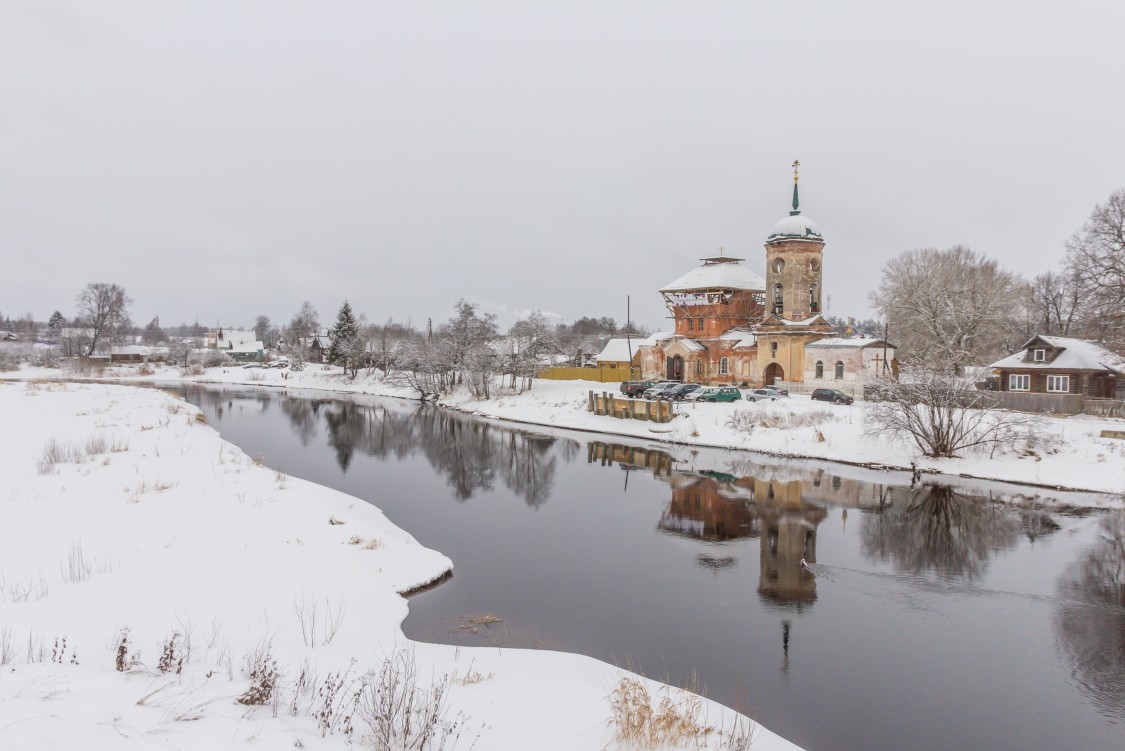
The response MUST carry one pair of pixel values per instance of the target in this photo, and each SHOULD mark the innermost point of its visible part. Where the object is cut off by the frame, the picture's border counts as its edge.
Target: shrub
(261, 668)
(8, 360)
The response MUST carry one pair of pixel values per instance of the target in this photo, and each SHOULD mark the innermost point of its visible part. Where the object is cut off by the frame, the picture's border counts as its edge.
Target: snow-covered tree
(531, 342)
(305, 322)
(262, 330)
(103, 309)
(1095, 255)
(55, 325)
(950, 306)
(153, 334)
(347, 347)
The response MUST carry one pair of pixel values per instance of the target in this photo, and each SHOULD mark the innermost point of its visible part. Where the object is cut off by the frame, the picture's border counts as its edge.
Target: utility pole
(629, 335)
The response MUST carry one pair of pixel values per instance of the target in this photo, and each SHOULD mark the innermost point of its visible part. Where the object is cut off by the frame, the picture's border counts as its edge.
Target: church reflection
(718, 507)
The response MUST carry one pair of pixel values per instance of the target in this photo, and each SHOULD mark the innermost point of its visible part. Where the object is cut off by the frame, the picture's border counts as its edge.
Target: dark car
(831, 395)
(636, 388)
(677, 393)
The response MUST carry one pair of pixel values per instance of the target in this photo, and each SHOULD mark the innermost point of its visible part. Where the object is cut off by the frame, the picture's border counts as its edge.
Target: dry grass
(681, 722)
(77, 567)
(367, 543)
(745, 421)
(472, 623)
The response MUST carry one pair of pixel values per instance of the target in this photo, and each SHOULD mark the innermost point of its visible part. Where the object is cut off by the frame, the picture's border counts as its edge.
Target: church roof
(853, 341)
(794, 227)
(717, 276)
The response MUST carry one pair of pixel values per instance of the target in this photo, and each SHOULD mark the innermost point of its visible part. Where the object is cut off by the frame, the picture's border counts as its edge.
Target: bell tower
(794, 264)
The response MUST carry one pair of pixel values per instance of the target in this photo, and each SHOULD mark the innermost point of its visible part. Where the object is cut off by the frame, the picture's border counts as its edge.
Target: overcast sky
(222, 159)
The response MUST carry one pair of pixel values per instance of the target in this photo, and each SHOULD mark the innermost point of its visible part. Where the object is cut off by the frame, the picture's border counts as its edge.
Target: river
(841, 608)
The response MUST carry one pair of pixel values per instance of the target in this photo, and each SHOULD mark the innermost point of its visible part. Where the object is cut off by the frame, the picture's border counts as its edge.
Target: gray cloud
(223, 159)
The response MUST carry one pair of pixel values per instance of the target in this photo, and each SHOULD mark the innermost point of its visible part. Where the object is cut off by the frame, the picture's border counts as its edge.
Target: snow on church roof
(717, 276)
(794, 227)
(854, 341)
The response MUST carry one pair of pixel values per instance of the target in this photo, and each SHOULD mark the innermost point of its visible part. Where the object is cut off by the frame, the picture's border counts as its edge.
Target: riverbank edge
(654, 436)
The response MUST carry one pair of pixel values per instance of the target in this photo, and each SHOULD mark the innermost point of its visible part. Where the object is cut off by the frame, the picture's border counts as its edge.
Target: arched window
(723, 365)
(699, 367)
(819, 369)
(778, 265)
(812, 297)
(839, 369)
(777, 299)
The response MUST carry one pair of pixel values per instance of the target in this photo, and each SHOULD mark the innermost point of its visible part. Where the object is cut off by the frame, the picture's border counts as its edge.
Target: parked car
(680, 392)
(721, 394)
(831, 395)
(253, 365)
(777, 389)
(636, 388)
(763, 395)
(657, 391)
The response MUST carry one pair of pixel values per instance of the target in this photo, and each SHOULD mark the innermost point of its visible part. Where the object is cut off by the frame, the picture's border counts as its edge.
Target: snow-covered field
(1067, 452)
(132, 536)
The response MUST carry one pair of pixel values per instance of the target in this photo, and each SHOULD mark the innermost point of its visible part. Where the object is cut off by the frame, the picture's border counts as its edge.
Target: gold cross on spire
(796, 164)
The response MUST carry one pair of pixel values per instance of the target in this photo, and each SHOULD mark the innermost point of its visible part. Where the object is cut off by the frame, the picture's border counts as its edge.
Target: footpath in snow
(159, 587)
(1064, 452)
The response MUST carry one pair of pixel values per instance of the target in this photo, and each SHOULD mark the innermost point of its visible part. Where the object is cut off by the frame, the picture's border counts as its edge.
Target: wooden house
(1060, 365)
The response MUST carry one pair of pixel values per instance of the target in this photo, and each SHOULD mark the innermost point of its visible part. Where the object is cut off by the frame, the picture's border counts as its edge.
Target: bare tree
(530, 343)
(388, 343)
(943, 414)
(1053, 304)
(950, 306)
(104, 310)
(305, 322)
(1095, 255)
(262, 329)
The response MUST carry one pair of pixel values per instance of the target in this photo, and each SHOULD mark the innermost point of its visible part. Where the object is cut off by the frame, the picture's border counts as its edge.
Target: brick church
(731, 326)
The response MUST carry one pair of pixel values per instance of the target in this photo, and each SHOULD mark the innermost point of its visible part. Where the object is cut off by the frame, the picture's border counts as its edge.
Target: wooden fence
(606, 403)
(1104, 407)
(601, 375)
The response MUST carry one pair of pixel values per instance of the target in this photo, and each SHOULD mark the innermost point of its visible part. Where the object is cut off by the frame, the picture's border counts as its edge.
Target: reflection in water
(942, 530)
(1090, 619)
(470, 453)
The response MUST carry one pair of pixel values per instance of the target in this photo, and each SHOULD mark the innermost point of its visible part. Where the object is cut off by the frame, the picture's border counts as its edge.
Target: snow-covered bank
(120, 509)
(1067, 452)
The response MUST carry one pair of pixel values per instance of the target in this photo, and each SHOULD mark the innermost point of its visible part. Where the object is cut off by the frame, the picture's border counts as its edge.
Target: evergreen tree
(55, 325)
(343, 334)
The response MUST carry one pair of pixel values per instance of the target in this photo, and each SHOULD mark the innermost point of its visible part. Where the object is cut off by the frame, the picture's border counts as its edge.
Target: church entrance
(676, 368)
(773, 374)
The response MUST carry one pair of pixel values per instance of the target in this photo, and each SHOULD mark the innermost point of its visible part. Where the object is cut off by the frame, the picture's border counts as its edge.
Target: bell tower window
(778, 304)
(812, 298)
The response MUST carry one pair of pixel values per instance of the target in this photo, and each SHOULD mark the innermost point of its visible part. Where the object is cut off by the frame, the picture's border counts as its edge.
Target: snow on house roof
(617, 350)
(717, 276)
(853, 341)
(1076, 354)
(691, 344)
(136, 349)
(247, 347)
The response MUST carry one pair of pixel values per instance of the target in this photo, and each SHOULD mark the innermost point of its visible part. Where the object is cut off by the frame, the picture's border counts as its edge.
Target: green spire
(796, 202)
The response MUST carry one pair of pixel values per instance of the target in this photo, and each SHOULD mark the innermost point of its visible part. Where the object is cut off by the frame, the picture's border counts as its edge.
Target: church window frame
(839, 370)
(724, 366)
(699, 367)
(819, 372)
(691, 324)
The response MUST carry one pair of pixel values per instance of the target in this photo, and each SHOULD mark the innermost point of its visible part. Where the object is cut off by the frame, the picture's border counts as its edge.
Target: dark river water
(932, 617)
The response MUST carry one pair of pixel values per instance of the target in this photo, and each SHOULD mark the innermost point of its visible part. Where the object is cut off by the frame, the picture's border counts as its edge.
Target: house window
(1018, 382)
(819, 369)
(839, 369)
(1040, 355)
(723, 365)
(699, 367)
(1058, 384)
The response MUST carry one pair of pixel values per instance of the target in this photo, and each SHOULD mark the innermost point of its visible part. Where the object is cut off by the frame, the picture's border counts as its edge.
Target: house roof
(659, 336)
(1075, 354)
(247, 347)
(617, 350)
(717, 276)
(690, 344)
